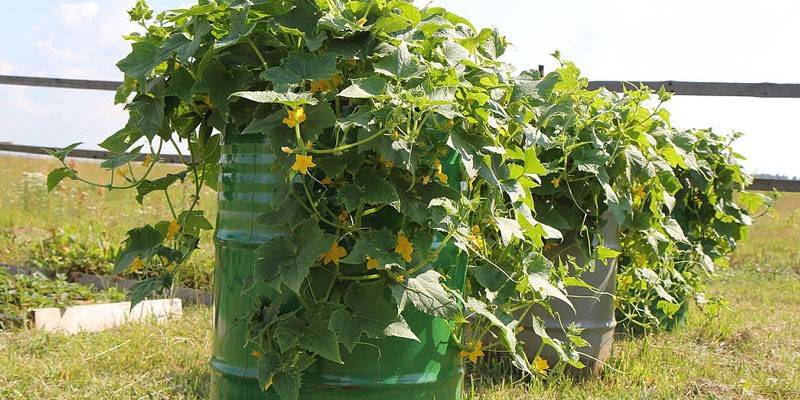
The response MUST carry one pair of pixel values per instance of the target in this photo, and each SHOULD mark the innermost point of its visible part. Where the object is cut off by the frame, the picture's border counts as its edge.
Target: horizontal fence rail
(781, 185)
(80, 153)
(59, 82)
(769, 90)
(765, 89)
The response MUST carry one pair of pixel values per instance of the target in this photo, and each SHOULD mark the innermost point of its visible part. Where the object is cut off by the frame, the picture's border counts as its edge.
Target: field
(749, 349)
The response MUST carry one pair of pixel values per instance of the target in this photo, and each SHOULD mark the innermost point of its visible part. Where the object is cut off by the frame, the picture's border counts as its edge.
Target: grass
(749, 349)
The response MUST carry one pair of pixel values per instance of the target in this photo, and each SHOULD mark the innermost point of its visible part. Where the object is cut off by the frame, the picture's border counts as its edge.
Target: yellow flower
(556, 182)
(400, 278)
(541, 365)
(472, 352)
(550, 245)
(625, 281)
(302, 164)
(121, 173)
(136, 265)
(386, 163)
(344, 217)
(372, 263)
(426, 180)
(639, 194)
(287, 150)
(334, 254)
(147, 160)
(322, 85)
(476, 238)
(256, 354)
(404, 247)
(336, 79)
(326, 181)
(295, 117)
(172, 229)
(441, 176)
(361, 21)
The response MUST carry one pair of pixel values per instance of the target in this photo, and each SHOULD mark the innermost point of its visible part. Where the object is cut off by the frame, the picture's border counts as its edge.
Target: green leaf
(121, 160)
(193, 222)
(220, 82)
(299, 66)
(753, 202)
(180, 85)
(149, 186)
(268, 365)
(317, 337)
(146, 288)
(605, 253)
(365, 88)
(371, 188)
(141, 242)
(319, 117)
(506, 332)
(332, 165)
(400, 64)
(532, 163)
(147, 115)
(57, 175)
(350, 196)
(143, 58)
(291, 258)
(304, 18)
(239, 32)
(63, 153)
(426, 292)
(287, 384)
(509, 229)
(376, 244)
(377, 317)
(288, 99)
(274, 7)
(675, 231)
(122, 139)
(277, 253)
(538, 279)
(540, 282)
(347, 328)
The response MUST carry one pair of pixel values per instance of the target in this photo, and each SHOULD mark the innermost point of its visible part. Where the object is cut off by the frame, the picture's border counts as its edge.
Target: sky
(691, 40)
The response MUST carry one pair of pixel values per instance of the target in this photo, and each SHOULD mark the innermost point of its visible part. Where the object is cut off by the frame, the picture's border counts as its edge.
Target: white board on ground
(98, 317)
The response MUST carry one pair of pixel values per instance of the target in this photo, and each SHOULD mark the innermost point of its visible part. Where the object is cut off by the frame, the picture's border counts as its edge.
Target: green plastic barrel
(389, 368)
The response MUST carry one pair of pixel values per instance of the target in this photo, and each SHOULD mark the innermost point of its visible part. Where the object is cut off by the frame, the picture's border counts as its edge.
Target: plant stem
(348, 146)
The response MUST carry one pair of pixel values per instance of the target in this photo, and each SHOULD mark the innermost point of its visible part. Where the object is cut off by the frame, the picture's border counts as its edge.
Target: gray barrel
(594, 309)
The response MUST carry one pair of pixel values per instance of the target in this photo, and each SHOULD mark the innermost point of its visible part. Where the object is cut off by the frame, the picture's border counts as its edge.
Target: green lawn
(749, 350)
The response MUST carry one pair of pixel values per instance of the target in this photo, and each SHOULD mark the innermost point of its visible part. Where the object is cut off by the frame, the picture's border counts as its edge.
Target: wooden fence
(764, 90)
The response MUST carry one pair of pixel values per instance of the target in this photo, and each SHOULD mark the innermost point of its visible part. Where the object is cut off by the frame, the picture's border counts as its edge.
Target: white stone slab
(98, 317)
